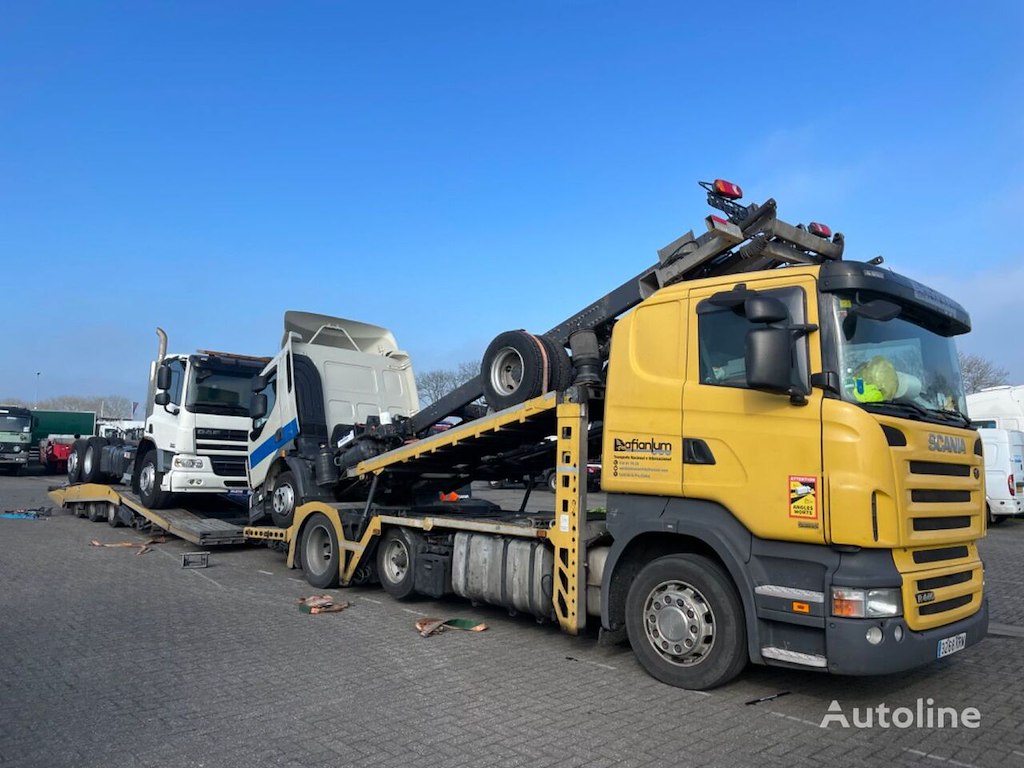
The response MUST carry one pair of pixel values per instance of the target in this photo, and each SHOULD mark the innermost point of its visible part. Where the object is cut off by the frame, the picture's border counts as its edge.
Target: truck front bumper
(200, 481)
(850, 653)
(13, 458)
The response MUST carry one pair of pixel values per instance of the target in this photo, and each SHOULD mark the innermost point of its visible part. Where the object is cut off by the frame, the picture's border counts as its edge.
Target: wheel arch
(645, 529)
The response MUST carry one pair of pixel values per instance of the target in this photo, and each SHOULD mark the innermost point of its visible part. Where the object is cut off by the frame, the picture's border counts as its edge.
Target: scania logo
(946, 443)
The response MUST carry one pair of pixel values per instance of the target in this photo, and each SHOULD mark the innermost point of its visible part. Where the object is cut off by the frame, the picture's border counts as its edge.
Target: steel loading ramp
(210, 523)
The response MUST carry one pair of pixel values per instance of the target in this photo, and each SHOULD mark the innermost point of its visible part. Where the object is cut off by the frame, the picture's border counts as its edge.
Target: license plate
(951, 645)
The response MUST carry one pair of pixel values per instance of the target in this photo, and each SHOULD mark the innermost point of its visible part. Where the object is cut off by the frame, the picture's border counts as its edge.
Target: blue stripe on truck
(288, 433)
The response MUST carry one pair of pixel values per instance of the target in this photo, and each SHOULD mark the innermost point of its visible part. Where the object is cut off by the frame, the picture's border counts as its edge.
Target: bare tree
(433, 385)
(979, 373)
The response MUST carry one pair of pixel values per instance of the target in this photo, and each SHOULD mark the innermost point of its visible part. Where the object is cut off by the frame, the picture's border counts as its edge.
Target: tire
(686, 599)
(512, 370)
(321, 554)
(560, 370)
(96, 512)
(551, 481)
(75, 461)
(282, 498)
(112, 519)
(90, 465)
(994, 519)
(149, 483)
(396, 563)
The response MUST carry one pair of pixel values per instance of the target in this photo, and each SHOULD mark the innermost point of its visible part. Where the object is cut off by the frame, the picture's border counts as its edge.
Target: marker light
(821, 230)
(727, 189)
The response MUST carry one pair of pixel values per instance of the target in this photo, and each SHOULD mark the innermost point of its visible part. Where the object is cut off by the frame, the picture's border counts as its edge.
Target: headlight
(188, 462)
(16, 449)
(866, 603)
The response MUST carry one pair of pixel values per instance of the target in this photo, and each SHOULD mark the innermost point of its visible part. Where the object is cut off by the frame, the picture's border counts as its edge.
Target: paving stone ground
(108, 658)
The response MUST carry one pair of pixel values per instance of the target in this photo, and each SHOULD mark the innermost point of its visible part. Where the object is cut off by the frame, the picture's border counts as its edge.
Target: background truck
(54, 433)
(15, 438)
(197, 420)
(1004, 473)
(791, 476)
(1001, 407)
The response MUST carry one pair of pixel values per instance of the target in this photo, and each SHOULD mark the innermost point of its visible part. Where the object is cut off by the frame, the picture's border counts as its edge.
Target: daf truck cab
(330, 375)
(194, 435)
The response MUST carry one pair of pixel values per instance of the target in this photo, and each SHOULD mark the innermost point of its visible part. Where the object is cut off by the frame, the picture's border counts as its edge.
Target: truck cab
(330, 375)
(15, 438)
(195, 434)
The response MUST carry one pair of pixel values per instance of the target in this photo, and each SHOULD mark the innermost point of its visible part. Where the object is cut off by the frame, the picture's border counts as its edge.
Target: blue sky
(453, 170)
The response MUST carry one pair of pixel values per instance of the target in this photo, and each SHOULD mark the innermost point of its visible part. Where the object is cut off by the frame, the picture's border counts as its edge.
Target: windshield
(15, 424)
(226, 392)
(886, 358)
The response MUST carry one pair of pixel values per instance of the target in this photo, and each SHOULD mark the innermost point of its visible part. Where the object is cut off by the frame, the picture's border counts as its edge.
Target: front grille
(940, 468)
(941, 523)
(231, 435)
(228, 466)
(937, 582)
(938, 555)
(935, 496)
(932, 609)
(200, 447)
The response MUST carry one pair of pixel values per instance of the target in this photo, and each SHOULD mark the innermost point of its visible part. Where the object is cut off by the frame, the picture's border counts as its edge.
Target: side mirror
(163, 379)
(258, 407)
(764, 309)
(769, 359)
(259, 382)
(162, 398)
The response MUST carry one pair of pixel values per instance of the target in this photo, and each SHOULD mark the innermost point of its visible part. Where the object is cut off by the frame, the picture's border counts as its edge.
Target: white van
(1004, 473)
(1001, 407)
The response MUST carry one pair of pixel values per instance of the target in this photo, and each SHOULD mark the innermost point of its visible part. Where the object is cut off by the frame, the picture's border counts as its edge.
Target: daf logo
(925, 597)
(946, 443)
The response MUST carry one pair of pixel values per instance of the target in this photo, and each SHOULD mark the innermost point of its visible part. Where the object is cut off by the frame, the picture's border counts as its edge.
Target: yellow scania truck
(791, 478)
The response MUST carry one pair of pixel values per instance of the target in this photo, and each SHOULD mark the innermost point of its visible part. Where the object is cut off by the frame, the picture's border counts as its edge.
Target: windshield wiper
(953, 413)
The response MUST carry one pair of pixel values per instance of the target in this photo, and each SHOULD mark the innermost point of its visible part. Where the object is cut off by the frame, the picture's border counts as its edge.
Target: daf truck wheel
(512, 370)
(75, 461)
(321, 555)
(396, 555)
(90, 467)
(685, 622)
(282, 500)
(149, 483)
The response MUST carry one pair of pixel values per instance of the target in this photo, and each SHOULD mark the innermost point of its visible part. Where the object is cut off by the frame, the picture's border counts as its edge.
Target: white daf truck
(330, 375)
(194, 439)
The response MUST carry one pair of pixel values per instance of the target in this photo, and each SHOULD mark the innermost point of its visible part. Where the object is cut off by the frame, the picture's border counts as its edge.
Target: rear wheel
(994, 519)
(396, 560)
(90, 467)
(75, 461)
(149, 483)
(112, 519)
(512, 370)
(96, 511)
(685, 622)
(321, 555)
(282, 500)
(552, 481)
(560, 366)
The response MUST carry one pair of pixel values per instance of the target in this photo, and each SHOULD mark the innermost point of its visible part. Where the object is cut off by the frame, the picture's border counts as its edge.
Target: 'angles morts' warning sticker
(803, 497)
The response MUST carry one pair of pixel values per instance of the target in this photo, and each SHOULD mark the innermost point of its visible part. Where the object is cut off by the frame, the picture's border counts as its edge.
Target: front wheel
(282, 500)
(149, 483)
(320, 553)
(685, 622)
